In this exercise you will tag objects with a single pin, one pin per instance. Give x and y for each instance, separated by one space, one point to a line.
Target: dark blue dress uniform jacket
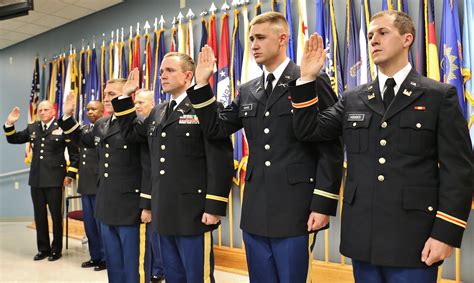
284 179
410 173
48 165
120 172
190 175
88 167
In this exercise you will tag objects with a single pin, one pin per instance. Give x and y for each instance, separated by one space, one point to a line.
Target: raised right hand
69 104
205 66
132 83
314 56
13 116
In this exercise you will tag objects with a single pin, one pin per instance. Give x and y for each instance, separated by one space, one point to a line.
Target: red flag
223 80
173 39
136 55
212 42
146 76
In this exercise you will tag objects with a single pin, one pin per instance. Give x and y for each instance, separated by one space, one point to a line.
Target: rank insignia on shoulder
57 132
188 120
355 117
420 108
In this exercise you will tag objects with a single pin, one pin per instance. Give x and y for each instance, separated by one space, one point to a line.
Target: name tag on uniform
57 132
189 119
246 107
356 117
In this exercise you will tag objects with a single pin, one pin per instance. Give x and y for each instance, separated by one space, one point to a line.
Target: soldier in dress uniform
48 173
290 186
409 180
118 201
191 176
153 264
88 175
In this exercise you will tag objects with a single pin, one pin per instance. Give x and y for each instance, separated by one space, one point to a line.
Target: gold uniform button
151 134
268 163
106 165
162 172
267 114
85 148
42 139
125 147
291 111
266 130
384 125
199 191
187 134
381 178
42 145
382 160
354 124
41 157
163 147
57 139
162 159
137 191
84 155
430 208
163 135
245 113
311 180
267 147
383 142
83 163
107 145
106 155
418 125
41 151
106 175
153 123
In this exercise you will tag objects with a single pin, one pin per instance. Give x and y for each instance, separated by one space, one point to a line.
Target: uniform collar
180 99
47 124
277 72
399 78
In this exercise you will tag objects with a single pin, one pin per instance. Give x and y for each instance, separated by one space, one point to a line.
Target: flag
387 5
181 38
257 9
302 30
53 73
274 6
450 56
367 67
420 45
111 59
401 5
70 85
468 62
147 64
333 61
124 67
130 54
352 51
117 59
204 33
320 19
82 79
212 42
103 75
223 80
290 51
43 86
239 141
159 51
250 68
136 61
59 84
173 46
35 92
432 68
190 39
93 88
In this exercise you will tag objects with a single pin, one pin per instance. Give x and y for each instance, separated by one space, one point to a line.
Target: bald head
46 111
95 110
144 102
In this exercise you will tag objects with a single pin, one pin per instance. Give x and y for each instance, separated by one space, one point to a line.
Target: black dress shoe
90 263
41 255
54 256
100 266
157 278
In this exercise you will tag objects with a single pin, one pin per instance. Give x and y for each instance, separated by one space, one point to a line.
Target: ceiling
47 15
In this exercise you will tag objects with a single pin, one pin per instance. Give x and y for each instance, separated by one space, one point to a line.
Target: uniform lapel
372 98
282 85
259 91
183 108
111 128
409 91
161 113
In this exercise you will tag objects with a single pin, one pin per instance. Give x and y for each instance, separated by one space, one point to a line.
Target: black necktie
170 108
269 88
389 93
45 127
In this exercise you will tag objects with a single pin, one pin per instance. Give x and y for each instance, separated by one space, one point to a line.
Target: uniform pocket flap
418 120
355 120
285 109
301 173
420 198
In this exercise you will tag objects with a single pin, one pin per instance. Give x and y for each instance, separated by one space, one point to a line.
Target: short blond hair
117 81
186 62
402 21
273 18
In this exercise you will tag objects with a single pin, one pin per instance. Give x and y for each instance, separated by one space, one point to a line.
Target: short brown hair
117 81
272 18
402 21
187 63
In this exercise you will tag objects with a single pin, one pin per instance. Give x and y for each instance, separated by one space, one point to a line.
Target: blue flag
321 19
204 33
290 51
468 62
450 55
333 61
352 50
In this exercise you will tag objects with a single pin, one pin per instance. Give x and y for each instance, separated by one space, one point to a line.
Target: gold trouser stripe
72 129
10 132
325 194
218 198
311 239
122 113
142 195
205 103
72 169
207 256
305 104
141 258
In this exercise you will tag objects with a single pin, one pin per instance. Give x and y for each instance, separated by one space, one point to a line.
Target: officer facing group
48 173
409 178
